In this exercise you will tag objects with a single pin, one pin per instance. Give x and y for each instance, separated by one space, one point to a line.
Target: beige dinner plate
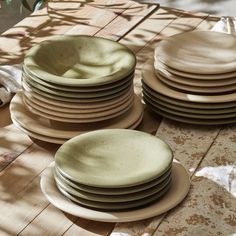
55 129
150 79
78 89
187 109
197 89
187 114
203 52
178 190
112 191
79 115
192 120
90 117
78 105
82 110
179 103
203 82
29 88
80 60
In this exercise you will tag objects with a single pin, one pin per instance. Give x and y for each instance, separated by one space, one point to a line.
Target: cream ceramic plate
197 89
150 79
229 75
72 105
29 88
104 153
160 69
179 189
188 109
113 191
192 120
79 113
190 115
203 52
78 89
89 115
80 60
206 106
97 198
54 129
91 118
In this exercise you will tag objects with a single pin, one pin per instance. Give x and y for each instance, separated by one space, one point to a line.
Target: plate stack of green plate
80 80
113 169
193 78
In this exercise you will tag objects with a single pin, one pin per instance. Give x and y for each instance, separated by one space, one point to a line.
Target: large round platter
85 61
188 109
199 52
105 153
54 129
39 136
204 82
197 89
206 106
178 190
78 89
150 79
112 191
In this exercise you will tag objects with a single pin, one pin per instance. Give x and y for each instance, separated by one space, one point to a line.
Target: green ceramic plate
113 158
67 94
78 89
30 88
112 191
80 60
109 206
114 198
191 120
187 114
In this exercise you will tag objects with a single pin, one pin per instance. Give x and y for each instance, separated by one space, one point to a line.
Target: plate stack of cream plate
114 169
193 78
75 84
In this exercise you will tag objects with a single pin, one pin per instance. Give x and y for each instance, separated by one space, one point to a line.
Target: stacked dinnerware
75 84
193 78
114 169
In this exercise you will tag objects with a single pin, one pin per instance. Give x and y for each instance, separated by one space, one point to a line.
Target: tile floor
10 14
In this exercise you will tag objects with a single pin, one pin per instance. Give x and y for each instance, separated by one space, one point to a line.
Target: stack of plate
74 82
114 169
193 78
